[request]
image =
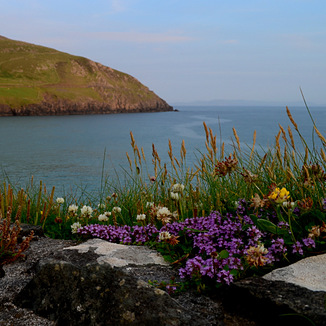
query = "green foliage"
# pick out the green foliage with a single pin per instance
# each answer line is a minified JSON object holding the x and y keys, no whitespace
{"x":267,"y":226}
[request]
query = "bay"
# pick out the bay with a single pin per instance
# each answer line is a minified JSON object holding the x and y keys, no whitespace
{"x":69,"y":151}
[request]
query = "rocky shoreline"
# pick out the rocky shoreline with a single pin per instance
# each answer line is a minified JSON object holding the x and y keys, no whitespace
{"x":70,"y":108}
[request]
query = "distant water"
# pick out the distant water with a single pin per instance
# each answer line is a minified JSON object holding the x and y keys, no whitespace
{"x":65,"y":151}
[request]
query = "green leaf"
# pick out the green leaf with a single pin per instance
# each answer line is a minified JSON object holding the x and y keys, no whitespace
{"x":234,"y":272}
{"x":266,"y":225}
{"x":254,"y":218}
{"x":223,"y":254}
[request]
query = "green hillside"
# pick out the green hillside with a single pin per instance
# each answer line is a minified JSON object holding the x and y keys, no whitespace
{"x":32,"y":75}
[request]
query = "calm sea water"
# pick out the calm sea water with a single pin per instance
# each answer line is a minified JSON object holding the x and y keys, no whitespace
{"x":68,"y":151}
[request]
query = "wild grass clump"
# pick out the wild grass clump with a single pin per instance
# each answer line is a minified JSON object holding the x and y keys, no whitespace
{"x":227,"y":216}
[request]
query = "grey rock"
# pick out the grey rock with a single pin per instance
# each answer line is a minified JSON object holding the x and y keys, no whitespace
{"x":73,"y":288}
{"x":309,"y":273}
{"x":276,"y":302}
{"x":17,"y":275}
{"x":26,"y":230}
{"x":118,"y":255}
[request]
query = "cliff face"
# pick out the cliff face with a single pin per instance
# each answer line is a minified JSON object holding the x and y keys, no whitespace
{"x":36,"y":80}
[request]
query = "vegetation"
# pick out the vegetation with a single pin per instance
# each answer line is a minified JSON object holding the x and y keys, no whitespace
{"x":30,"y":74}
{"x":228,"y":216}
{"x":10,"y":249}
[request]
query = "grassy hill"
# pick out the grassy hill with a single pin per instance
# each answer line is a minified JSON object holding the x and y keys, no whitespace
{"x":40,"y":80}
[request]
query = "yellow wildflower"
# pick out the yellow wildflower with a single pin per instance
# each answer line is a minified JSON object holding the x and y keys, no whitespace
{"x":279,"y":195}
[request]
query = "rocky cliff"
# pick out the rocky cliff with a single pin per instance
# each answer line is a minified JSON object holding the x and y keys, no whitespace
{"x":35,"y":80}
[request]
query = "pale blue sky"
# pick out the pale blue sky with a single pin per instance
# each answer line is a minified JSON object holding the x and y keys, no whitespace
{"x":189,"y":50}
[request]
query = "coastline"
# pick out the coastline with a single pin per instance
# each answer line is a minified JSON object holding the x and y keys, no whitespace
{"x":66,"y":108}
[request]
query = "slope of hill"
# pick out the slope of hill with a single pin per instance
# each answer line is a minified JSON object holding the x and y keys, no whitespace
{"x":36,"y":80}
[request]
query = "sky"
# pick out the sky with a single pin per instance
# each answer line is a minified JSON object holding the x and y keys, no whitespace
{"x":189,"y":50}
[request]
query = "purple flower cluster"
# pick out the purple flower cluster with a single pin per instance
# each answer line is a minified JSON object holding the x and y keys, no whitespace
{"x":208,"y":237}
{"x":298,"y":246}
{"x":119,"y":234}
{"x":277,"y":250}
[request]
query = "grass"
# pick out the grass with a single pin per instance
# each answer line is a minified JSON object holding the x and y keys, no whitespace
{"x":30,"y":74}
{"x":25,"y":94}
{"x":228,"y":216}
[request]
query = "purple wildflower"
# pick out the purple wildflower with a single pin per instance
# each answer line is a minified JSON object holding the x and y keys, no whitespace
{"x":170,"y":288}
{"x":254,"y":233}
{"x":297,"y":248}
{"x":276,"y":250}
{"x":308,"y":242}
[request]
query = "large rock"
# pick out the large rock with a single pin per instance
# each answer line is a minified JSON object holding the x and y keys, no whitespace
{"x":293,"y":295}
{"x":96,"y":283}
{"x":309,"y":273}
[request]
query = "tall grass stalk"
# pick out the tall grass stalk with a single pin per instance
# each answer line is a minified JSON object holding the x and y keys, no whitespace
{"x":216,"y":181}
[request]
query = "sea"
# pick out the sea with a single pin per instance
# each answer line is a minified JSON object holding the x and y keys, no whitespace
{"x":79,"y":152}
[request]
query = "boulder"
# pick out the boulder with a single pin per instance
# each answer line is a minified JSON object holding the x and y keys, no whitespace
{"x":295,"y":294}
{"x":309,"y":273}
{"x":96,"y":283}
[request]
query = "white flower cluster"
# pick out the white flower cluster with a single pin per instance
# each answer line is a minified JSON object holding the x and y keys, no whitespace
{"x":116,"y":210}
{"x":101,"y":206}
{"x":163,"y":212}
{"x":72,"y":209}
{"x":141,"y":217}
{"x":86,"y":211}
{"x":174,"y":195}
{"x":103,"y":218}
{"x":75,"y":227}
{"x":178,"y":187}
{"x":60,"y":200}
{"x":164,"y":235}
{"x":176,"y":190}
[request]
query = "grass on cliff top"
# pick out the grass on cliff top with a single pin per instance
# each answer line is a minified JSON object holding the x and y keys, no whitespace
{"x":26,"y":95}
{"x":61,"y":75}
